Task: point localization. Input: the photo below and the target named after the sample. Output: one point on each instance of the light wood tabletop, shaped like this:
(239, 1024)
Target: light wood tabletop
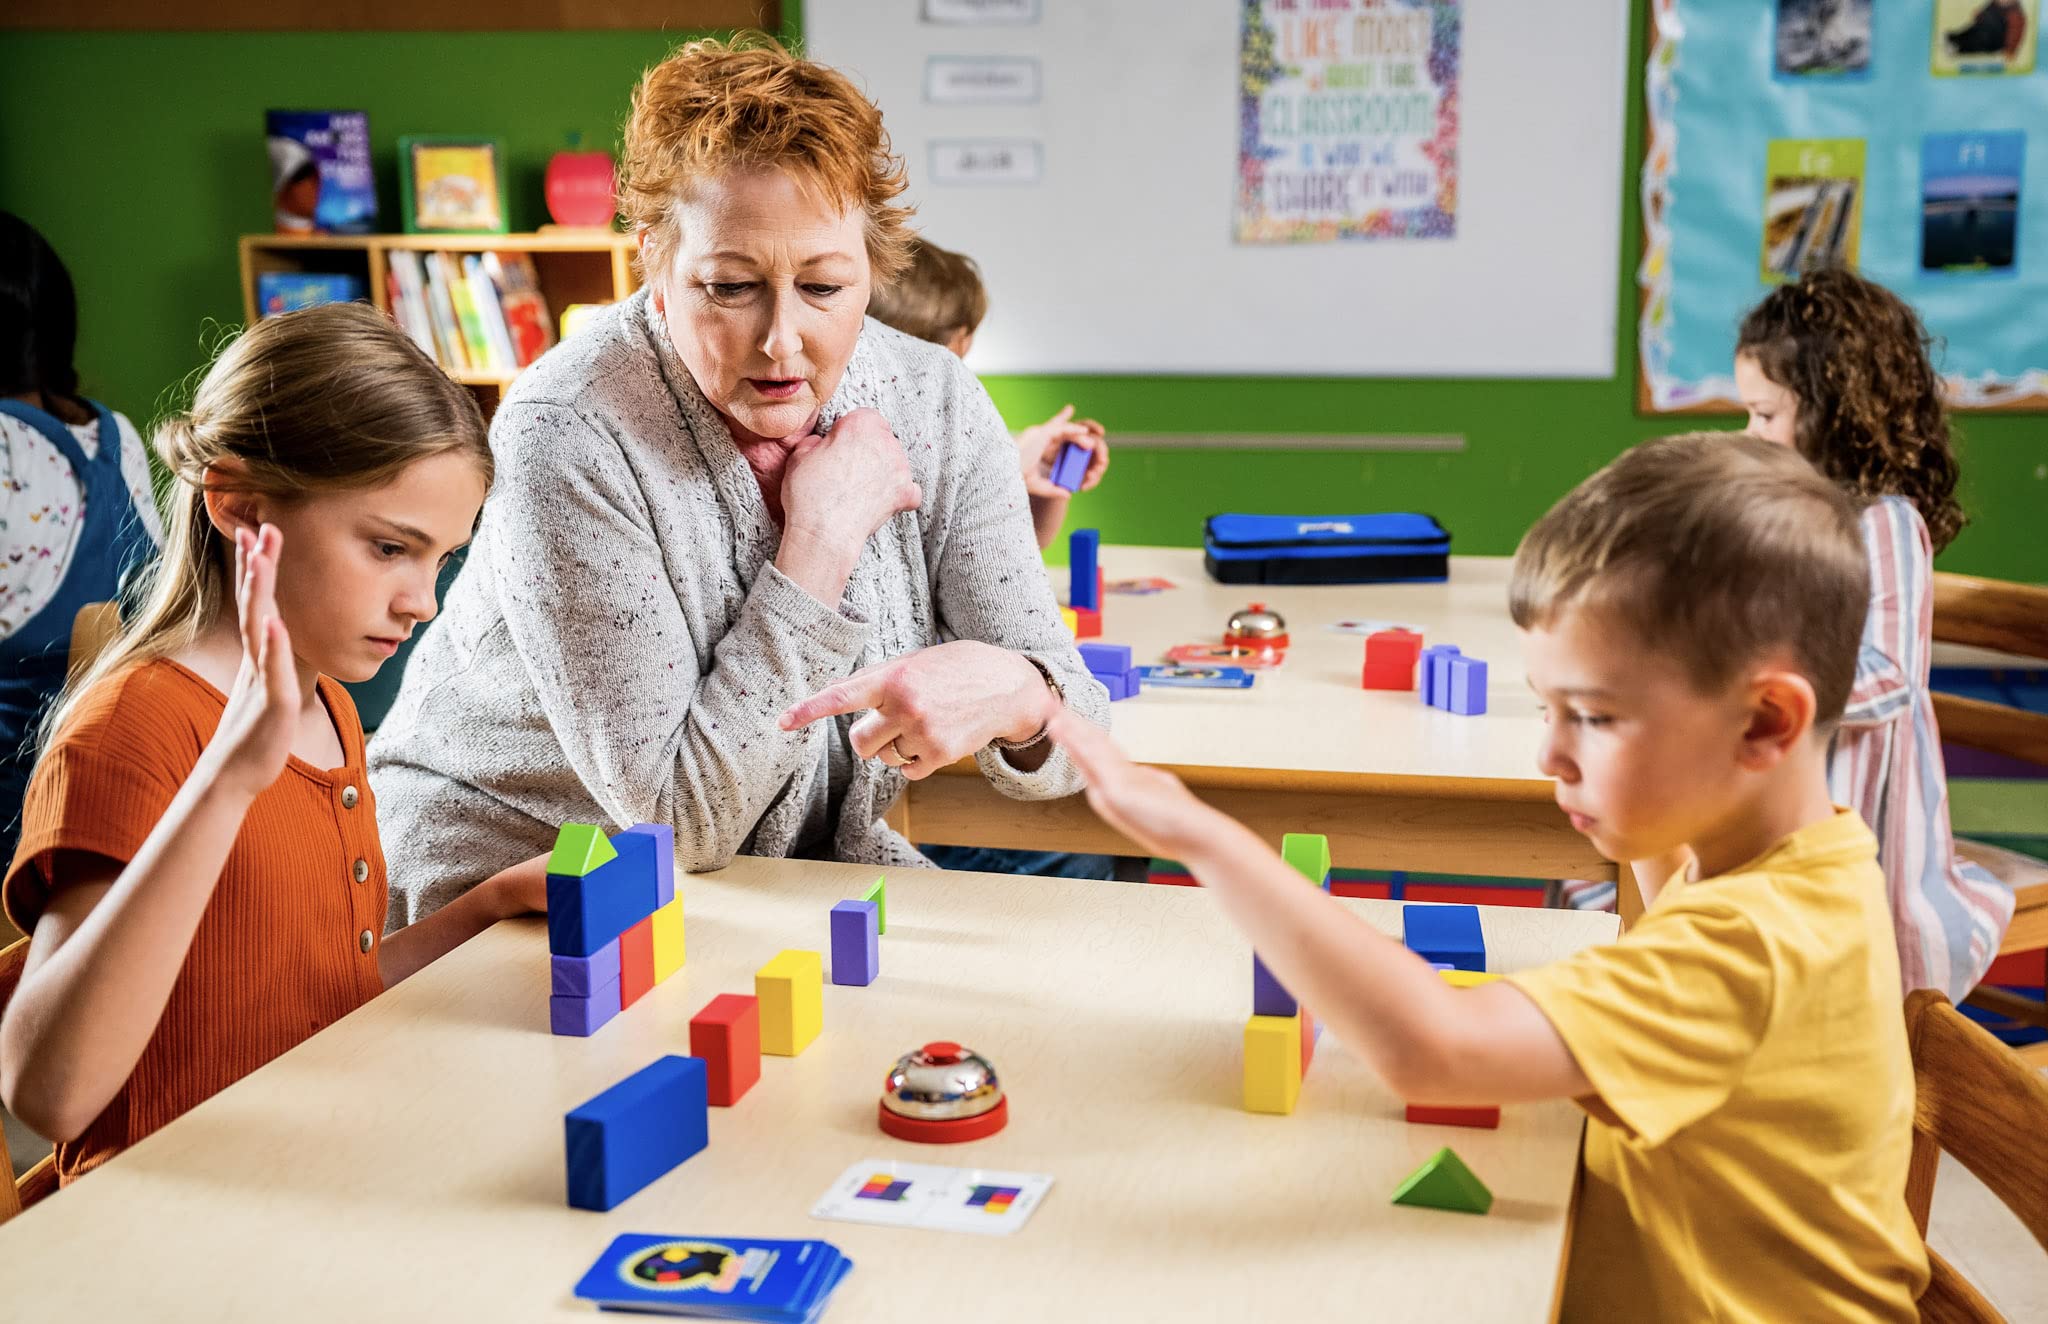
(1392, 783)
(407, 1162)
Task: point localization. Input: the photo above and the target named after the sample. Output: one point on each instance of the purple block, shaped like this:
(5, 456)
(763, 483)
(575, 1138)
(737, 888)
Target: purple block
(582, 1016)
(1120, 687)
(1070, 467)
(577, 976)
(1467, 695)
(1269, 996)
(1434, 672)
(1084, 548)
(664, 858)
(856, 945)
(1102, 659)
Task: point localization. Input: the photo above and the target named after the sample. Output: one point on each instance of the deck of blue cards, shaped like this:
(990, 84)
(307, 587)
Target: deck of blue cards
(772, 1282)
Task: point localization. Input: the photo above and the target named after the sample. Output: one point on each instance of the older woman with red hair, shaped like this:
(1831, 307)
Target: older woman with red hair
(752, 559)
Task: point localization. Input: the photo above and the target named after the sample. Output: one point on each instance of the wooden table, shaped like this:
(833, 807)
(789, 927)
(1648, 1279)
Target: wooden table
(407, 1162)
(1393, 784)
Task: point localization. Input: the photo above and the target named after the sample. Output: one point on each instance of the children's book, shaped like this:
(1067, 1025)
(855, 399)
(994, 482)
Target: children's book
(320, 178)
(527, 320)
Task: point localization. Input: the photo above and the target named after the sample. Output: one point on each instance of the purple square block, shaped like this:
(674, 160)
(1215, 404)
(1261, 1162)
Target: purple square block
(1070, 467)
(1434, 673)
(1269, 996)
(1467, 695)
(582, 1016)
(856, 946)
(576, 976)
(1101, 659)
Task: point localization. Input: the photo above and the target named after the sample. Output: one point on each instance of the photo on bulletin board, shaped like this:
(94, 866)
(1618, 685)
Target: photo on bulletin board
(1757, 169)
(1970, 202)
(1813, 206)
(1823, 38)
(1985, 38)
(452, 185)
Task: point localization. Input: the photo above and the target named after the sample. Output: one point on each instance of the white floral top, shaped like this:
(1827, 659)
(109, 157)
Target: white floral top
(42, 508)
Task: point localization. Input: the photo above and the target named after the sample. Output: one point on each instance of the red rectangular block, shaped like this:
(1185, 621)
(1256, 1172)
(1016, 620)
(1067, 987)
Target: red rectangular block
(1087, 623)
(1487, 1117)
(1390, 660)
(636, 962)
(727, 1035)
(1371, 891)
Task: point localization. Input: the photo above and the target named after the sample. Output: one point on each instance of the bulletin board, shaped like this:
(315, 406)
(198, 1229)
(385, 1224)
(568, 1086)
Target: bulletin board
(1905, 138)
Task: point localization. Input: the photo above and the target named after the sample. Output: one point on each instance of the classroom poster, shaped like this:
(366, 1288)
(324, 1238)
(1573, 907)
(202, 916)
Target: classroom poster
(1348, 120)
(1813, 205)
(1970, 201)
(1985, 38)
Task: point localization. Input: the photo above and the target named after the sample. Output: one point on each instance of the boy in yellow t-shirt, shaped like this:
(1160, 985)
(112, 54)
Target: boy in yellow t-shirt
(1690, 616)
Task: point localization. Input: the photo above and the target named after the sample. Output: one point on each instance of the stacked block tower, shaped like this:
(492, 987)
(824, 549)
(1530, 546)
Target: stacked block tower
(615, 923)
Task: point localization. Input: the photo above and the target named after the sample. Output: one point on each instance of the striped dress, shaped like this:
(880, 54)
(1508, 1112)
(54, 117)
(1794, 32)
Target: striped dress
(1886, 764)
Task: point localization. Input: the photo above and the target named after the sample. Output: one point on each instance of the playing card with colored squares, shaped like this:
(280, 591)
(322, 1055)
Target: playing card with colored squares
(929, 1195)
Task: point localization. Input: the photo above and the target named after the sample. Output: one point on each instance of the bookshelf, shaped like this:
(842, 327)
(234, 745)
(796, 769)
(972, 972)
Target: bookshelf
(573, 266)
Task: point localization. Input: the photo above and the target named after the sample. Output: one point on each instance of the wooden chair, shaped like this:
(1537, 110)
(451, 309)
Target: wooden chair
(19, 1193)
(2009, 618)
(1973, 1100)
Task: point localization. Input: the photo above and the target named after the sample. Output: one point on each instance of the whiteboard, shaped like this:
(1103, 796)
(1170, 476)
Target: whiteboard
(1120, 259)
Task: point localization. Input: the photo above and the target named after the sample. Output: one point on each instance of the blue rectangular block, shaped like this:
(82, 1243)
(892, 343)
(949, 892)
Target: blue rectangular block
(1433, 673)
(635, 1131)
(583, 1016)
(1070, 467)
(856, 943)
(1083, 547)
(664, 849)
(1468, 687)
(577, 976)
(1120, 686)
(586, 913)
(1106, 659)
(1269, 996)
(1445, 933)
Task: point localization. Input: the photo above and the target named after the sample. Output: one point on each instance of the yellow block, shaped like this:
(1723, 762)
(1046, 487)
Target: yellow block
(668, 940)
(791, 991)
(1272, 1064)
(1072, 620)
(1467, 978)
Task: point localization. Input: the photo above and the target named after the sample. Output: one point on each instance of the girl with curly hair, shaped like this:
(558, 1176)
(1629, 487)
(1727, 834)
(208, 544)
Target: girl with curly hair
(1837, 367)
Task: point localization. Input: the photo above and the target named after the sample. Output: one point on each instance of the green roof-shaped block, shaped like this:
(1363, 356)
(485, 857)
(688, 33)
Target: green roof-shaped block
(579, 849)
(1444, 1182)
(878, 894)
(1309, 853)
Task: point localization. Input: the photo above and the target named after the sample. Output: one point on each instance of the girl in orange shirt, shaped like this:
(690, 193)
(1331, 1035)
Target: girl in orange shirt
(199, 865)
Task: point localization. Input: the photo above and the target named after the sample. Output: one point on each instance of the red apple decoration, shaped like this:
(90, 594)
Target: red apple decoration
(581, 188)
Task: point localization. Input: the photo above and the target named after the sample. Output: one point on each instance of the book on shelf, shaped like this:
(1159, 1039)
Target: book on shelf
(408, 295)
(289, 291)
(525, 310)
(490, 315)
(441, 309)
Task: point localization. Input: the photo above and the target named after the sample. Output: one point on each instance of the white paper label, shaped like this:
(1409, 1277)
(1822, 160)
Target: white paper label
(999, 161)
(981, 11)
(981, 80)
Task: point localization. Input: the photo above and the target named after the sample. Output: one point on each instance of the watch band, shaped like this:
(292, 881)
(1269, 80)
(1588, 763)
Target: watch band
(1059, 696)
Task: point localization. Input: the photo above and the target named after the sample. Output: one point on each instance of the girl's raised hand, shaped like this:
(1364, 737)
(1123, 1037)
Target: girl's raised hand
(262, 716)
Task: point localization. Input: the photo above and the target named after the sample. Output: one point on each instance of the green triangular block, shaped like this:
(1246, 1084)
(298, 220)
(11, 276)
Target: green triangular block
(1444, 1182)
(1309, 853)
(880, 896)
(579, 849)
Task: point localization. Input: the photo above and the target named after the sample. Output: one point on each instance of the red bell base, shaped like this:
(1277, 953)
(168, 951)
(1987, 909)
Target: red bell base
(946, 1132)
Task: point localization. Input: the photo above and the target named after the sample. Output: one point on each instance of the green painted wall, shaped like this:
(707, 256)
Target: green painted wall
(140, 156)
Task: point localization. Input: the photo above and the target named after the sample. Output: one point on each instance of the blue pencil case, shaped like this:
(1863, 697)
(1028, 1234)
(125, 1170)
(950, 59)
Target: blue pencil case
(1326, 549)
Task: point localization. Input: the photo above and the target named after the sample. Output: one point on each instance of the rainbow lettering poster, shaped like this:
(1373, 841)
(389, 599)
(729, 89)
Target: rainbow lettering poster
(1347, 120)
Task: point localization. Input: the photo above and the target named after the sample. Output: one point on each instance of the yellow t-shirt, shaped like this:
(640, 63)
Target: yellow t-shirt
(1753, 1109)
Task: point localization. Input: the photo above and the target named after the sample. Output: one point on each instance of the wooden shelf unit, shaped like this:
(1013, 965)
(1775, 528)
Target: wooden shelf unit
(574, 266)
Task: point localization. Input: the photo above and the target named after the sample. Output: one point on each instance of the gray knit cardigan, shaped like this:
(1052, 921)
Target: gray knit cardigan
(619, 645)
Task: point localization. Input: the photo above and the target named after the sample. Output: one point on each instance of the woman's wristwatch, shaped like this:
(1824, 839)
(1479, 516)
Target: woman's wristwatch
(1059, 696)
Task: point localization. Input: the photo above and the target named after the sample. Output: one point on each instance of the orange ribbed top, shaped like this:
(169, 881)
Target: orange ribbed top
(288, 943)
